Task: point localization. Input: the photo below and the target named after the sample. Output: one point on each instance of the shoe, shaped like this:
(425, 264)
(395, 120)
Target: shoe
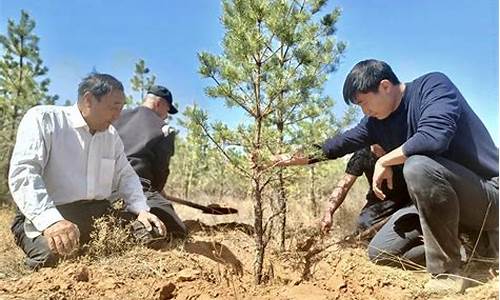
(443, 285)
(151, 239)
(448, 284)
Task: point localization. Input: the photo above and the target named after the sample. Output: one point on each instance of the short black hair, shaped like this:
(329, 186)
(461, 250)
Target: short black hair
(365, 77)
(99, 85)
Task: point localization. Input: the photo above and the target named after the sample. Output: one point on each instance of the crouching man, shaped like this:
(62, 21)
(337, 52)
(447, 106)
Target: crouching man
(66, 164)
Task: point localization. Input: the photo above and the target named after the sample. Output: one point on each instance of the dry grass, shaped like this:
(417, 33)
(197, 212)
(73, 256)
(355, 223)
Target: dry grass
(110, 238)
(299, 213)
(11, 257)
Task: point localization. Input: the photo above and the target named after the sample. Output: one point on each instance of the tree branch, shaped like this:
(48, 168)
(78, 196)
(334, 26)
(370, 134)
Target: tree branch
(220, 148)
(234, 98)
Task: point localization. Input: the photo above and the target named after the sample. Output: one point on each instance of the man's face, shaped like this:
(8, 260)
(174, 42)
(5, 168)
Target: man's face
(101, 113)
(163, 108)
(380, 104)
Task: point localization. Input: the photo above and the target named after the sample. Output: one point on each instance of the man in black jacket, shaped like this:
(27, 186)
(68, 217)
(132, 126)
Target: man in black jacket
(149, 145)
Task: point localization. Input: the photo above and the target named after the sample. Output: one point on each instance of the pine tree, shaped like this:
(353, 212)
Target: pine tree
(22, 82)
(195, 150)
(140, 81)
(276, 57)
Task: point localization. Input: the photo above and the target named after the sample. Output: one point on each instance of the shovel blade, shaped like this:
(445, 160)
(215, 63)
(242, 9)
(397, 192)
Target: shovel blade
(215, 209)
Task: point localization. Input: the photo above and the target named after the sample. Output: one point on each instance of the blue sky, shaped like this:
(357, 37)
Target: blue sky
(459, 38)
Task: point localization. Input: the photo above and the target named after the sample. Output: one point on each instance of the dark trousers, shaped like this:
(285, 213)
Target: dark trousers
(82, 213)
(164, 210)
(448, 198)
(399, 242)
(375, 211)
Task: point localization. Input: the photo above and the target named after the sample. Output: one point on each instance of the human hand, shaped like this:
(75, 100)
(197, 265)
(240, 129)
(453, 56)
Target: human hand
(377, 150)
(381, 174)
(63, 237)
(326, 222)
(147, 218)
(287, 159)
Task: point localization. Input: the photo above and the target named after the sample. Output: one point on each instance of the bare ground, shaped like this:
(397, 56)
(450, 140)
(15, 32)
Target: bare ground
(217, 262)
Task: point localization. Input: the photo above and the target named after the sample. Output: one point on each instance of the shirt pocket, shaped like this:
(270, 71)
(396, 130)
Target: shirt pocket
(106, 174)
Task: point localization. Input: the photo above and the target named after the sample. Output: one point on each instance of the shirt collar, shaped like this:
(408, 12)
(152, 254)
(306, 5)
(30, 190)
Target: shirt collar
(76, 117)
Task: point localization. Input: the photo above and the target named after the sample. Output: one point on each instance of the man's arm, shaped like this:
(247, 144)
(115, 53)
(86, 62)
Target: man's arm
(28, 188)
(130, 189)
(393, 158)
(383, 170)
(348, 142)
(336, 199)
(28, 161)
(440, 111)
(333, 148)
(339, 193)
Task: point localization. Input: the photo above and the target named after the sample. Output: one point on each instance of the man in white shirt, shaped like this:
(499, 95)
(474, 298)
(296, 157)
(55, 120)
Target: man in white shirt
(66, 164)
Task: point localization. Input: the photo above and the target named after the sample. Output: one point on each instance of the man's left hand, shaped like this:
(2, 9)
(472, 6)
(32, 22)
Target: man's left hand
(147, 218)
(381, 174)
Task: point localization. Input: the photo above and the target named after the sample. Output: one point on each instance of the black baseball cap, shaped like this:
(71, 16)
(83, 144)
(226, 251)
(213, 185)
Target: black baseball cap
(165, 94)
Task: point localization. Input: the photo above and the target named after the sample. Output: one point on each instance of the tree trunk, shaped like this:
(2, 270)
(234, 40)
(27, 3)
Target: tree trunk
(187, 182)
(222, 180)
(282, 199)
(259, 233)
(312, 191)
(256, 159)
(282, 209)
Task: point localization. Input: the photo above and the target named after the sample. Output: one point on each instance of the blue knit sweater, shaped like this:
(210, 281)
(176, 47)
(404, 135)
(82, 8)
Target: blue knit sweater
(432, 119)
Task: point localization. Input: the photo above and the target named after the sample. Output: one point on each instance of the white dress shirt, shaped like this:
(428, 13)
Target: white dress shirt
(56, 160)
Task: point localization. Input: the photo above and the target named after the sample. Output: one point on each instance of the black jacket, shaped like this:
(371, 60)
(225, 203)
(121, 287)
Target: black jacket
(149, 144)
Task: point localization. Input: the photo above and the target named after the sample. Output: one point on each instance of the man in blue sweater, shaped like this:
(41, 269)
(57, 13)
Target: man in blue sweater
(450, 162)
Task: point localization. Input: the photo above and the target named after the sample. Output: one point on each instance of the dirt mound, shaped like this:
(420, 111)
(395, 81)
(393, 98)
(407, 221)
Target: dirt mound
(197, 226)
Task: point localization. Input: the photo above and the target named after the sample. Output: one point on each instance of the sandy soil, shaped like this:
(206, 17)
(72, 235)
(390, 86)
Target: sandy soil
(217, 262)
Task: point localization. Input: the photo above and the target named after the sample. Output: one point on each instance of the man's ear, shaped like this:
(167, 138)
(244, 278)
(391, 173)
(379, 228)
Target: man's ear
(385, 85)
(156, 104)
(87, 99)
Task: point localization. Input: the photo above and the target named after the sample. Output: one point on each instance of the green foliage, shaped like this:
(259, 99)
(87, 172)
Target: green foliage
(140, 82)
(195, 148)
(22, 83)
(198, 166)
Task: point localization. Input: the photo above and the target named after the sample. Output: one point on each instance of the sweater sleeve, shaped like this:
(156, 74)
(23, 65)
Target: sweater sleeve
(439, 112)
(349, 141)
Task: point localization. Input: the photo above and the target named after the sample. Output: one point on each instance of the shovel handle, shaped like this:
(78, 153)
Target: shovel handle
(203, 208)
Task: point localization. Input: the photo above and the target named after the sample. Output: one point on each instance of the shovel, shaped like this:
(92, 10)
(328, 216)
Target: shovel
(213, 209)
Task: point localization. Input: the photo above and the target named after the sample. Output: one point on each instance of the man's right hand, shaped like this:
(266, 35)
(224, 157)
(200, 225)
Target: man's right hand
(63, 237)
(284, 160)
(326, 222)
